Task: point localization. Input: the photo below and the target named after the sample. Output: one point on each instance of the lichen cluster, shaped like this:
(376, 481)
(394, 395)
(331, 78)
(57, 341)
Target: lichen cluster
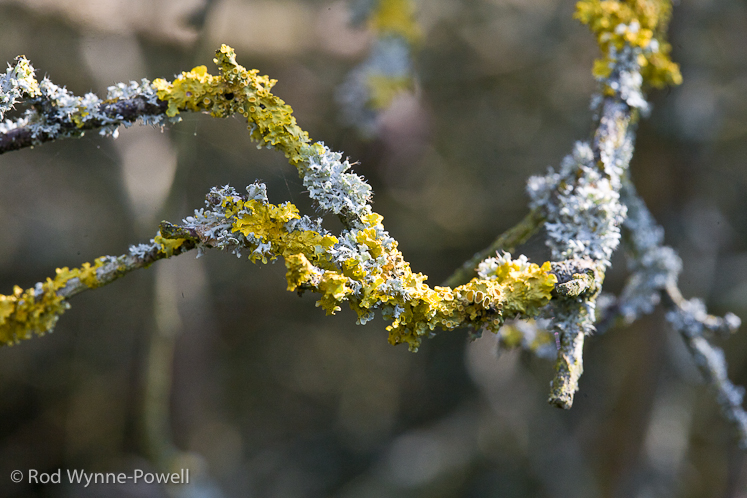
(55, 113)
(37, 309)
(236, 90)
(361, 266)
(582, 211)
(364, 267)
(17, 82)
(582, 206)
(639, 25)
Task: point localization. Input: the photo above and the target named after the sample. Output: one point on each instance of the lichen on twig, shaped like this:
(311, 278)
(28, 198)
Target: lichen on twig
(362, 265)
(586, 206)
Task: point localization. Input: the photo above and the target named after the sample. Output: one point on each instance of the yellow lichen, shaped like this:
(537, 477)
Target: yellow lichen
(188, 91)
(168, 246)
(300, 271)
(86, 274)
(415, 308)
(37, 309)
(513, 289)
(27, 312)
(237, 90)
(636, 23)
(267, 222)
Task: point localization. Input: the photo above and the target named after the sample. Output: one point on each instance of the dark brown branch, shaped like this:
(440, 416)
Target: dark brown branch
(123, 111)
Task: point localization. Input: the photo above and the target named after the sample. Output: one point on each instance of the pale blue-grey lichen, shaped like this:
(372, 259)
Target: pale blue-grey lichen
(54, 112)
(142, 250)
(581, 205)
(624, 79)
(335, 190)
(688, 319)
(17, 82)
(582, 210)
(652, 265)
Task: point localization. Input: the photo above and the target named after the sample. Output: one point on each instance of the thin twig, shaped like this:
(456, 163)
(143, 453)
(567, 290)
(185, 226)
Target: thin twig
(508, 241)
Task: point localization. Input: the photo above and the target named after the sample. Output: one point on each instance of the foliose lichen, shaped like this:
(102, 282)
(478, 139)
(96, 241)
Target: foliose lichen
(637, 25)
(363, 267)
(18, 81)
(37, 309)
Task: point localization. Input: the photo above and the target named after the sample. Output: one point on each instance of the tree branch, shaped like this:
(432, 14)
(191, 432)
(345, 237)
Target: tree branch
(508, 241)
(120, 112)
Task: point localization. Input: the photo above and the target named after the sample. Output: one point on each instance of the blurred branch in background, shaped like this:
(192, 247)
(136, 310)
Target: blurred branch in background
(372, 87)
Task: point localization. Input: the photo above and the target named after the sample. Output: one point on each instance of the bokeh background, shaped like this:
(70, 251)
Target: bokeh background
(210, 364)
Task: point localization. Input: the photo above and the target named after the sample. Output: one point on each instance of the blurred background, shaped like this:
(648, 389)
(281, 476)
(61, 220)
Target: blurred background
(210, 364)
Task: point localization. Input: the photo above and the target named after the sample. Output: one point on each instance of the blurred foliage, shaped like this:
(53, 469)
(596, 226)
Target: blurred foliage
(280, 400)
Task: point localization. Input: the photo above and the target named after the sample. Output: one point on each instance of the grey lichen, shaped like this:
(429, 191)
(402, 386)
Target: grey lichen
(17, 82)
(52, 112)
(326, 177)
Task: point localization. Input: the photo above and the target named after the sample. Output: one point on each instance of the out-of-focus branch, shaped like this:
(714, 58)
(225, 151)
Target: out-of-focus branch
(691, 320)
(654, 273)
(371, 87)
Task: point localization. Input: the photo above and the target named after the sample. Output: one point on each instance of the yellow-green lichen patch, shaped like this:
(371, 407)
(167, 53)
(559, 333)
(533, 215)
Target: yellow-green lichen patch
(266, 222)
(86, 274)
(27, 312)
(637, 23)
(168, 246)
(481, 303)
(299, 271)
(37, 309)
(416, 310)
(193, 90)
(237, 90)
